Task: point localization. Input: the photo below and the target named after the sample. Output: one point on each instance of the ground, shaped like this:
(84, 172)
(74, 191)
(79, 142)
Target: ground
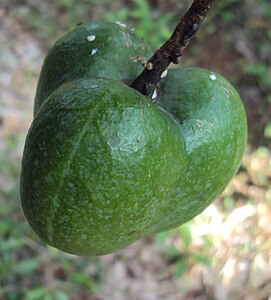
(224, 253)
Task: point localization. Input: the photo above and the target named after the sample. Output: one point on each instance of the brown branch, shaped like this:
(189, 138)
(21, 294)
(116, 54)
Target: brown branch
(173, 48)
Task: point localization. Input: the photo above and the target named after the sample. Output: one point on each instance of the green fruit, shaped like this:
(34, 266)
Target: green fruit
(103, 166)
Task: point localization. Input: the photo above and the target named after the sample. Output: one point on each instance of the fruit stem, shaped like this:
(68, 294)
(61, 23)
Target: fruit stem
(173, 48)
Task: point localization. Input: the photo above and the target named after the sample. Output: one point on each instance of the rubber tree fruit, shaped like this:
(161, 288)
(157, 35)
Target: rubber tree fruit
(103, 165)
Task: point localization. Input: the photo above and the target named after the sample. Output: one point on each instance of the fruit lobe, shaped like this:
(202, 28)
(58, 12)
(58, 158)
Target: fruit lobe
(101, 49)
(96, 166)
(212, 121)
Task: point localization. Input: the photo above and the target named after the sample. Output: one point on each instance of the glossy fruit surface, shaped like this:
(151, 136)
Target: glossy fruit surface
(212, 121)
(103, 166)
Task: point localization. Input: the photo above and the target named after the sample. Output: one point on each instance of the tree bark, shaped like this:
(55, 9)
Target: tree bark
(172, 50)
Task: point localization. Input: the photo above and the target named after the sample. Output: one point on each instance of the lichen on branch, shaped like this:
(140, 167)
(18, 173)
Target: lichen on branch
(173, 48)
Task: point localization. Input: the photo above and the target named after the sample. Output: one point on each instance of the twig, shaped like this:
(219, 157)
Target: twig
(173, 48)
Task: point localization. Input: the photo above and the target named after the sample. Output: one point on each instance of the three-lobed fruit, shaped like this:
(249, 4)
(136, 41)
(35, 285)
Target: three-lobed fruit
(103, 166)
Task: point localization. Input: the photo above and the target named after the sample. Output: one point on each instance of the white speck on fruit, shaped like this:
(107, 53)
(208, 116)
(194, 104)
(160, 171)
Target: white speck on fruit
(149, 66)
(154, 95)
(212, 77)
(149, 174)
(164, 74)
(93, 51)
(121, 24)
(91, 38)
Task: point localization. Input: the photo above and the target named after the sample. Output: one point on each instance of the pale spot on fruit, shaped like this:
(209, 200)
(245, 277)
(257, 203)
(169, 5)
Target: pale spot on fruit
(149, 66)
(154, 95)
(83, 236)
(164, 74)
(212, 77)
(93, 51)
(91, 38)
(121, 24)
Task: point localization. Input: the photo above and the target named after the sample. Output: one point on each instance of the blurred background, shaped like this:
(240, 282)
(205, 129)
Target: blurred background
(224, 253)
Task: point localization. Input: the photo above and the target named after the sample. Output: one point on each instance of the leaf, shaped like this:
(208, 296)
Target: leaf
(86, 281)
(181, 266)
(5, 268)
(27, 266)
(11, 244)
(267, 131)
(200, 258)
(35, 294)
(60, 295)
(161, 237)
(186, 236)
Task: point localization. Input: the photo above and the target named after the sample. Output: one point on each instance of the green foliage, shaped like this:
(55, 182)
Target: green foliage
(267, 131)
(155, 35)
(66, 14)
(261, 72)
(176, 245)
(144, 19)
(229, 204)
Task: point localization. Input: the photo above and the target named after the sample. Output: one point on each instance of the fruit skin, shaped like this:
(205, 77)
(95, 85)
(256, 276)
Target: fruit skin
(103, 166)
(96, 165)
(212, 121)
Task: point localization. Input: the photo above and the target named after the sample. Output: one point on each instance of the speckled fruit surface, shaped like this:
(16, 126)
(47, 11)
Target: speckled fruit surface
(103, 166)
